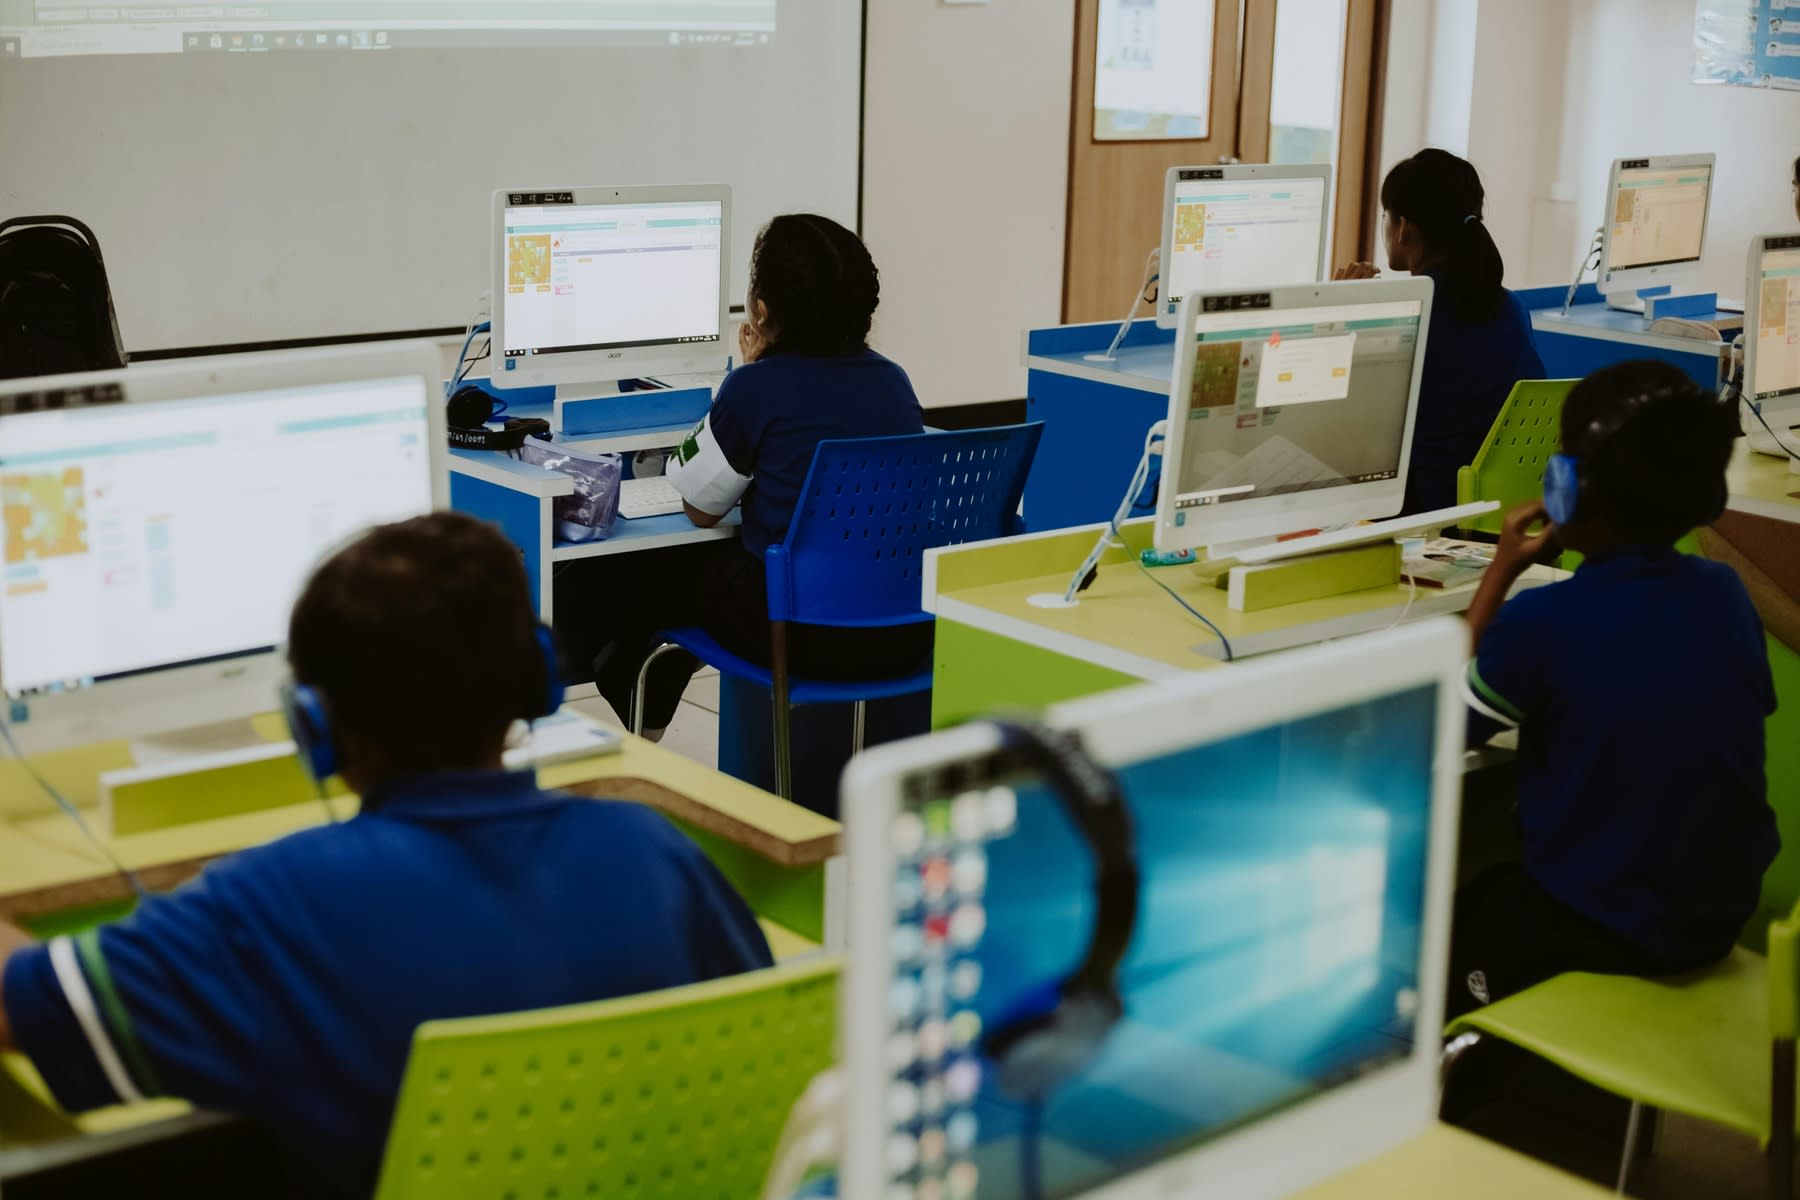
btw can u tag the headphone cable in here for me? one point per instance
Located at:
(73, 813)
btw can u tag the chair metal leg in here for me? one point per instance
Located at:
(1781, 1120)
(858, 724)
(783, 711)
(636, 720)
(1633, 1125)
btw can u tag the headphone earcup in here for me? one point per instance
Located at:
(1039, 1049)
(309, 724)
(554, 690)
(1562, 488)
(469, 408)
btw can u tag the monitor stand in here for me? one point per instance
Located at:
(199, 742)
(1664, 301)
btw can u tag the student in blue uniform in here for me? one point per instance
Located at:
(1479, 343)
(1639, 688)
(806, 374)
(285, 982)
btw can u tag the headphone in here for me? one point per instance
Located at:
(472, 407)
(1566, 476)
(1055, 1031)
(309, 718)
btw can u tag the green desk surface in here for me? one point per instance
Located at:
(47, 866)
(1126, 623)
(1762, 485)
(1445, 1162)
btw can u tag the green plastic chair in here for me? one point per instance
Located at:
(1509, 467)
(678, 1093)
(1715, 1044)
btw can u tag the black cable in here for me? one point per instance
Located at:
(74, 814)
(1031, 1153)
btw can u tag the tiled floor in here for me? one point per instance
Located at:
(695, 730)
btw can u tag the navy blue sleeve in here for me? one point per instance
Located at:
(1509, 677)
(171, 1000)
(738, 417)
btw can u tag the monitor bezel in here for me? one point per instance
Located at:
(1341, 1127)
(605, 368)
(180, 697)
(1623, 279)
(1167, 314)
(1244, 520)
(1759, 247)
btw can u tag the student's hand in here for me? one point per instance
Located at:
(1519, 545)
(750, 342)
(1356, 270)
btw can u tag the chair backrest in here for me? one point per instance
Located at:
(1509, 467)
(678, 1093)
(56, 310)
(872, 507)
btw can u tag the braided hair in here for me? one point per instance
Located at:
(818, 283)
(1442, 197)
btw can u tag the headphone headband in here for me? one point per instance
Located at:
(1061, 1027)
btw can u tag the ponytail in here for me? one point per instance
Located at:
(1441, 196)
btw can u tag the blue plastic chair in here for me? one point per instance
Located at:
(854, 556)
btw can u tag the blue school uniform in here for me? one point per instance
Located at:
(285, 982)
(1640, 688)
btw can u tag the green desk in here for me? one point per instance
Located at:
(995, 649)
(784, 859)
(1444, 1162)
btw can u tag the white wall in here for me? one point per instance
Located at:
(965, 185)
(1542, 95)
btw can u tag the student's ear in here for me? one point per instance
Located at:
(758, 312)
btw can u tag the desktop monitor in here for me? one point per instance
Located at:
(1241, 226)
(1278, 950)
(596, 285)
(160, 520)
(1290, 409)
(1772, 344)
(1655, 224)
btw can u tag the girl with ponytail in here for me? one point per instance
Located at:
(1479, 343)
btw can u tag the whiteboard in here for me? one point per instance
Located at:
(255, 198)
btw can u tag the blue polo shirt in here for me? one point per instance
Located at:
(285, 983)
(1469, 371)
(770, 415)
(1640, 687)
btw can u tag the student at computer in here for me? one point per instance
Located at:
(807, 374)
(1479, 343)
(1639, 688)
(285, 983)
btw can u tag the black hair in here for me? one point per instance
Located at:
(1442, 197)
(422, 638)
(1653, 446)
(819, 284)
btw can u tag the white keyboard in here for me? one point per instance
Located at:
(652, 497)
(1374, 531)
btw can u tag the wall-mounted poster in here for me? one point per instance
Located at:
(1749, 43)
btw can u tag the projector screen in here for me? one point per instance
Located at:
(280, 189)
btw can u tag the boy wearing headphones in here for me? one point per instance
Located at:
(285, 983)
(1639, 688)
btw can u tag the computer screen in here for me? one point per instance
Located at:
(141, 537)
(1275, 955)
(1294, 400)
(1227, 232)
(1656, 214)
(1775, 356)
(581, 278)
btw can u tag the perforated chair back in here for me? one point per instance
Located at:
(1509, 467)
(673, 1094)
(870, 509)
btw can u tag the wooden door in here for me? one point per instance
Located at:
(1116, 187)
